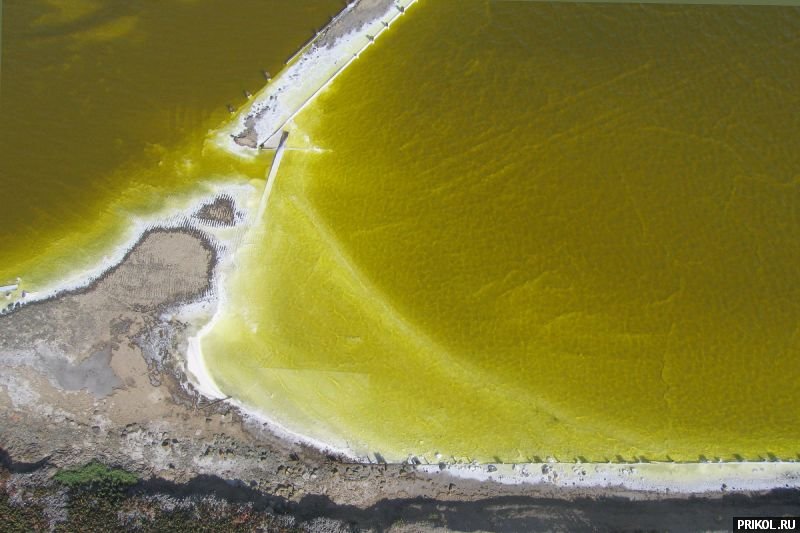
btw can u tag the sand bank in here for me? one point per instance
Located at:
(180, 214)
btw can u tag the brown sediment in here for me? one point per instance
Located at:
(166, 267)
(131, 261)
(220, 212)
(249, 137)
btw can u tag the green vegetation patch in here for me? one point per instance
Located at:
(96, 474)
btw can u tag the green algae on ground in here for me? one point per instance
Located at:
(96, 474)
(551, 230)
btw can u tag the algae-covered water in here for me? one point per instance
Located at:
(104, 106)
(531, 230)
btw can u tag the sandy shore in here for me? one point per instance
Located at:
(184, 213)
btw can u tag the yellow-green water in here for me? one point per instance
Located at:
(537, 230)
(104, 106)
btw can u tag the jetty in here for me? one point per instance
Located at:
(310, 70)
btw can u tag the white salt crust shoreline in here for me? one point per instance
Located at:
(663, 478)
(175, 217)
